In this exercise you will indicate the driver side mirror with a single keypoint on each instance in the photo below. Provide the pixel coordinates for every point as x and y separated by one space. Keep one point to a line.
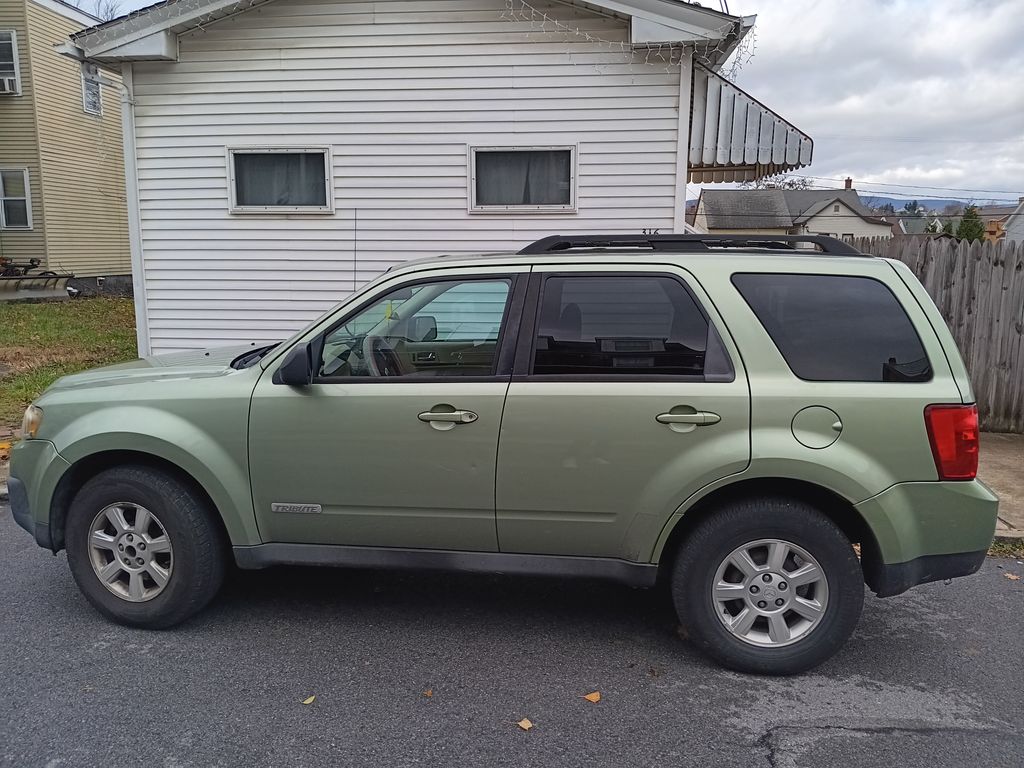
423 328
297 368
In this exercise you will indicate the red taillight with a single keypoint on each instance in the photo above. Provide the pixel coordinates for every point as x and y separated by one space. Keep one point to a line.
953 434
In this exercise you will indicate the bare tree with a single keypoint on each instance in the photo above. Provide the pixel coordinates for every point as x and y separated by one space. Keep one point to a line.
778 182
104 9
107 9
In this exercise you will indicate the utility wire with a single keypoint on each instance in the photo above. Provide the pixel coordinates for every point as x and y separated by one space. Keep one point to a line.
914 186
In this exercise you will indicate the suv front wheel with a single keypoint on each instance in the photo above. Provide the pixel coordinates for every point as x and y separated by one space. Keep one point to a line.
768 586
143 547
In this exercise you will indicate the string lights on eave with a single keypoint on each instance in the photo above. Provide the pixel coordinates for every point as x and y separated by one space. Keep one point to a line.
717 44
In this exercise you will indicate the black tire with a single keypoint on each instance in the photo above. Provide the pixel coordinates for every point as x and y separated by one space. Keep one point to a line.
742 522
196 539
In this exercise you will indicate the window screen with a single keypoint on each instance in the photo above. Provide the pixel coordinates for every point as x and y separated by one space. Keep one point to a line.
623 325
285 179
14 200
8 54
836 328
92 101
536 177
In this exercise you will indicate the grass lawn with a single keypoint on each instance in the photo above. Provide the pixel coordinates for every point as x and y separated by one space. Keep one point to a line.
41 342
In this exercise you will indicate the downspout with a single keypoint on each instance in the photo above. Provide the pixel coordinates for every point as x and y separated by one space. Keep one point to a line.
683 140
131 185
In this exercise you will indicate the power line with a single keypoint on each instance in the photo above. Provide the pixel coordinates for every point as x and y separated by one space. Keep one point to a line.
920 140
915 186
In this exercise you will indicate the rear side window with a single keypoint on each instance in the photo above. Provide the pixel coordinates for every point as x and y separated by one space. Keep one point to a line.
624 325
837 327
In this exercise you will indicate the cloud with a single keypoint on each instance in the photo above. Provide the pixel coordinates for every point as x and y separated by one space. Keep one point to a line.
898 91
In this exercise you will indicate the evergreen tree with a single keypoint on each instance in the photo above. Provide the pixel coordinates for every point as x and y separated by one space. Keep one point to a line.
971 226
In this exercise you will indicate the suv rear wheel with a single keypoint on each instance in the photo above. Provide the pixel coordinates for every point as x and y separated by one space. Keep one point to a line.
768 586
143 547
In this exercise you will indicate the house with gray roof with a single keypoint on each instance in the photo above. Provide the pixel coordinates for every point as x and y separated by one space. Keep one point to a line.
833 212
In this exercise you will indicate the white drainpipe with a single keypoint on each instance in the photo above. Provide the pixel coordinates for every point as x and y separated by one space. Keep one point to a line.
131 184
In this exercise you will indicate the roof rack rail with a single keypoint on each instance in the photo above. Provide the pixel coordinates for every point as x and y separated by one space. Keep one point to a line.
829 246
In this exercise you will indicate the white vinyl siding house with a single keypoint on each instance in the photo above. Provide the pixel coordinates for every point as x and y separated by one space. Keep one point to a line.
840 220
402 100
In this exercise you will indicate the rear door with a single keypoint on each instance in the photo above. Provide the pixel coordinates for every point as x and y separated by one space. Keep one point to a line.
627 397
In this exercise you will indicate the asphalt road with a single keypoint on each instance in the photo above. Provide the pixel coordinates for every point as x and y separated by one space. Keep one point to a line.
932 678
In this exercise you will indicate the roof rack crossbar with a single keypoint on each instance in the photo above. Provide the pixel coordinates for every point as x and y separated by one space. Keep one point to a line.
829 246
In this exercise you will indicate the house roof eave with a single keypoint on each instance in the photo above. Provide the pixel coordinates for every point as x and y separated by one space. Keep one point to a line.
682 22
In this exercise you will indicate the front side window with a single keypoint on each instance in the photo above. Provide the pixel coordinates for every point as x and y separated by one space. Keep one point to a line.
837 327
510 180
624 326
280 180
445 328
10 79
15 210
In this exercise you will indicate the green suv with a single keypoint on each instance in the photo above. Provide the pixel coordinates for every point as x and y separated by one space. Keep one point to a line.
764 423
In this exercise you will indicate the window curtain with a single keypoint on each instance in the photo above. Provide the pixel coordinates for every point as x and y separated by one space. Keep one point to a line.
280 178
534 177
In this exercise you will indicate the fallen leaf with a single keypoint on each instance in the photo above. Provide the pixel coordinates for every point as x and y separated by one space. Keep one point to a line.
310 700
1012 576
525 724
429 692
594 697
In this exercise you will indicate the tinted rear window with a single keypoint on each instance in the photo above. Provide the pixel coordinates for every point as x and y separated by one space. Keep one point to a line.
618 325
836 327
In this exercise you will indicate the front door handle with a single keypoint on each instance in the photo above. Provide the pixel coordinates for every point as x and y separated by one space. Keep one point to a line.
444 417
448 417
697 418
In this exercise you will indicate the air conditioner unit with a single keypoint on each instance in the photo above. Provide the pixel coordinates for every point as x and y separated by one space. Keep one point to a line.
8 85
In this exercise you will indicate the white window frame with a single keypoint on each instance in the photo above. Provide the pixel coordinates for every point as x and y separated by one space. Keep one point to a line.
85 104
573 150
17 64
234 207
27 198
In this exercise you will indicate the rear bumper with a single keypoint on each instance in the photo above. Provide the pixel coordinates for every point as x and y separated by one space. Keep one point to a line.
888 580
927 532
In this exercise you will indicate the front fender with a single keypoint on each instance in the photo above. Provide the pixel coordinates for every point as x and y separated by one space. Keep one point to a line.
217 462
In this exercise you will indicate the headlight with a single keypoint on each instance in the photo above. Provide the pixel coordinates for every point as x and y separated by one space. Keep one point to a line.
30 423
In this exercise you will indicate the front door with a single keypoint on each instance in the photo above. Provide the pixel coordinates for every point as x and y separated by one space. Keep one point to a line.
627 397
394 443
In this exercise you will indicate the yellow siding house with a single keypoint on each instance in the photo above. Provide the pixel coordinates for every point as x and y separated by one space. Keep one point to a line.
62 185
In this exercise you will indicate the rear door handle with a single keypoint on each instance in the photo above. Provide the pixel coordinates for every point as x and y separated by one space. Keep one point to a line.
449 417
698 418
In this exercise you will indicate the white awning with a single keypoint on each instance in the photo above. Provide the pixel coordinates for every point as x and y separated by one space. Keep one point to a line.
734 137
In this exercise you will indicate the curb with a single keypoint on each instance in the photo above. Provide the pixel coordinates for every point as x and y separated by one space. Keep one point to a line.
1007 537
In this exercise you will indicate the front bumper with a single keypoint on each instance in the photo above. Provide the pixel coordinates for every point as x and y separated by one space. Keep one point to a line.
35 469
927 532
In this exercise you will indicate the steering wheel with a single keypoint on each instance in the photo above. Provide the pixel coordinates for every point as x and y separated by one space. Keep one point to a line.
380 358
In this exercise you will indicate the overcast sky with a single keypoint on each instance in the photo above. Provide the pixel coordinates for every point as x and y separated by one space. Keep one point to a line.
897 91
893 92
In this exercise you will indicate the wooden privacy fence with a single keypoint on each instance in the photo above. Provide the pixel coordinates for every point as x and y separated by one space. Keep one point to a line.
979 289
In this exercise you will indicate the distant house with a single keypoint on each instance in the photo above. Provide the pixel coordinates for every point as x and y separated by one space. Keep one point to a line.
283 153
834 212
61 163
995 218
1013 226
